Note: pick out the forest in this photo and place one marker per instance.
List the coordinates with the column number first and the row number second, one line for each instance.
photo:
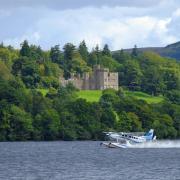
column 26, row 113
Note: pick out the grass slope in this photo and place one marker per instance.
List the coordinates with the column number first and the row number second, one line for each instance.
column 94, row 96
column 43, row 91
column 146, row 97
column 90, row 95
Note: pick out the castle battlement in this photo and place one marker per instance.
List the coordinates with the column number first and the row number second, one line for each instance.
column 100, row 79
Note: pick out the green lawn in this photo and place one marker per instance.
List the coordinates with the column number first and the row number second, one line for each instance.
column 90, row 95
column 94, row 96
column 43, row 91
column 148, row 98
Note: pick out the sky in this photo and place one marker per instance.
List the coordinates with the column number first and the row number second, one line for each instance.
column 119, row 23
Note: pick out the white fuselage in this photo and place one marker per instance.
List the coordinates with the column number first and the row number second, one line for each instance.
column 136, row 139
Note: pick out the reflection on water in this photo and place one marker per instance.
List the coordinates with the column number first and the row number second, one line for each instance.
column 86, row 160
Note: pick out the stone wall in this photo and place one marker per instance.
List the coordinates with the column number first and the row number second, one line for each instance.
column 77, row 82
column 100, row 79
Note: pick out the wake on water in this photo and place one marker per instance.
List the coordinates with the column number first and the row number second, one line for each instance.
column 159, row 144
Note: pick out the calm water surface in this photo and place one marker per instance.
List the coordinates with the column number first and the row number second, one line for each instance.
column 84, row 161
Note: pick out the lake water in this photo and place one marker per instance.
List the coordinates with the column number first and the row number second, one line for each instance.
column 85, row 161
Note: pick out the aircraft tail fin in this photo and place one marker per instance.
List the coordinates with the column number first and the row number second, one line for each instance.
column 149, row 135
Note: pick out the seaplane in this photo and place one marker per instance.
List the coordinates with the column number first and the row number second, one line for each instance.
column 128, row 140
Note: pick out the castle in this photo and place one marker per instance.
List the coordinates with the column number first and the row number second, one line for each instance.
column 99, row 79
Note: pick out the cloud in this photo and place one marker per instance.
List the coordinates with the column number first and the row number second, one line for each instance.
column 174, row 25
column 73, row 4
column 31, row 37
column 119, row 26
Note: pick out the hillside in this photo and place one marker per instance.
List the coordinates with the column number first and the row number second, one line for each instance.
column 169, row 51
column 35, row 106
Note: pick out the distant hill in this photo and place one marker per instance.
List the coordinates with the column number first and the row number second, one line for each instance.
column 170, row 51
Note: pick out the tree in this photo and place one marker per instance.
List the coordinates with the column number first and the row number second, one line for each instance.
column 20, row 124
column 98, row 53
column 108, row 98
column 5, row 72
column 4, row 121
column 68, row 51
column 174, row 96
column 93, row 59
column 124, row 123
column 56, row 55
column 79, row 66
column 30, row 74
column 106, row 51
column 131, row 75
column 152, row 81
column 176, row 116
column 47, row 125
column 136, row 124
column 108, row 118
column 8, row 92
column 2, row 45
column 28, row 70
column 171, row 78
column 25, row 49
column 36, row 54
column 68, row 57
column 109, row 62
column 83, row 50
column 163, row 126
column 134, row 52
column 5, row 55
column 121, row 56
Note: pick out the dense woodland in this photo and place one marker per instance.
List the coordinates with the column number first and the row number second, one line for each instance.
column 27, row 114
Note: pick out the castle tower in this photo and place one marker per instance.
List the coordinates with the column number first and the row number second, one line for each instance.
column 86, row 81
column 100, row 79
